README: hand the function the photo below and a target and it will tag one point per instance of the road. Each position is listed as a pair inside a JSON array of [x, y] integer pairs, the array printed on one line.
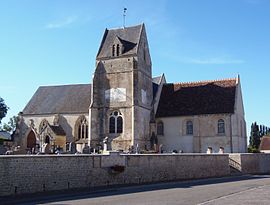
[[232, 190]]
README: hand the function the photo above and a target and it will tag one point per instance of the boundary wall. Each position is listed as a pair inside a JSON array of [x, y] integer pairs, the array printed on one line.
[[21, 174], [250, 163]]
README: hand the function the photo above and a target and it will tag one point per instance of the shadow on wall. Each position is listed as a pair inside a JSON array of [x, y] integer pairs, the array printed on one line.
[[68, 129]]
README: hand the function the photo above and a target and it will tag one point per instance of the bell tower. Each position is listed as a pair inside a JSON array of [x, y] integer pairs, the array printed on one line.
[[122, 90]]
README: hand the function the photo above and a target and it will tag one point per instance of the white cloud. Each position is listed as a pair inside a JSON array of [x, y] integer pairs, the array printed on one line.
[[218, 60], [60, 24]]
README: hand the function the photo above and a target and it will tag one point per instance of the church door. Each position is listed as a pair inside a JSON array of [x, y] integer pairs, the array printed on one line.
[[31, 140]]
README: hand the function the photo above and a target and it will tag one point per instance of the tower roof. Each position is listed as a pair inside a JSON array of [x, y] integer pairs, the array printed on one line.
[[127, 36]]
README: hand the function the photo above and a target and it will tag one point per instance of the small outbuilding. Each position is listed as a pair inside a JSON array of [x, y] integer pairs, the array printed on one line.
[[265, 144]]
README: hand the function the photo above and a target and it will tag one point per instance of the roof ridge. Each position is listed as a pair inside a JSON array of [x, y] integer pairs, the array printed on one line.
[[205, 81], [65, 85], [118, 28]]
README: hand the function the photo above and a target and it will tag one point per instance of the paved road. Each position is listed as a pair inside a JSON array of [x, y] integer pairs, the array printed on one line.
[[233, 190]]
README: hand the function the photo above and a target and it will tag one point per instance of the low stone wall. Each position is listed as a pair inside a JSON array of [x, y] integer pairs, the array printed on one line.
[[41, 173], [251, 163]]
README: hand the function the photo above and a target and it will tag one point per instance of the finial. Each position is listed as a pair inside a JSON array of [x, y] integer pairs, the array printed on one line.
[[238, 79], [124, 17]]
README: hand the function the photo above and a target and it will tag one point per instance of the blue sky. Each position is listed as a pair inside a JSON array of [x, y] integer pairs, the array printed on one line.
[[55, 42]]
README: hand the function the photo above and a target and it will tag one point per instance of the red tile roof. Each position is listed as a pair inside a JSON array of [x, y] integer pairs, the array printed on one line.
[[196, 98]]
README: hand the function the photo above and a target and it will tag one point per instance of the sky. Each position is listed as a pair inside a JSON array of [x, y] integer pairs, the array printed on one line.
[[55, 42]]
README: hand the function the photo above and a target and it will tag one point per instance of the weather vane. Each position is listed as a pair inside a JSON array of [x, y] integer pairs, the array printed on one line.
[[124, 17]]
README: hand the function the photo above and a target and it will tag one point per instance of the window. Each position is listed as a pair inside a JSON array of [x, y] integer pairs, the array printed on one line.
[[82, 128], [113, 50], [189, 128], [221, 126], [160, 128], [115, 122], [117, 50], [47, 139], [43, 125]]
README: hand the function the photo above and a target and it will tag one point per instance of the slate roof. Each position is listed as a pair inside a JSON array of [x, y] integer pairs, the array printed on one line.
[[265, 143], [128, 36], [157, 79], [155, 85], [59, 99], [186, 99], [58, 130], [63, 99]]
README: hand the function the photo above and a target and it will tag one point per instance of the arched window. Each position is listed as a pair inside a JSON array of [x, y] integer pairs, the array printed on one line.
[[113, 50], [189, 128], [221, 126], [82, 128], [43, 125], [47, 139], [116, 122], [117, 50], [160, 128]]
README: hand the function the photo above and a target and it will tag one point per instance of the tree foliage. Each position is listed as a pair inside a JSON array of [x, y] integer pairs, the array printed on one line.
[[11, 125], [3, 109], [257, 132]]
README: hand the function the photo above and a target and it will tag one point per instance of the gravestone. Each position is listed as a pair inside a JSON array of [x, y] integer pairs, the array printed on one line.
[[72, 148]]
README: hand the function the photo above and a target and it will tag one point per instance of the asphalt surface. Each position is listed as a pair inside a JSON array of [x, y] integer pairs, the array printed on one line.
[[232, 190]]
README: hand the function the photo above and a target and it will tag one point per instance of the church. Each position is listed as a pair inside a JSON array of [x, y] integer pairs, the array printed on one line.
[[125, 107]]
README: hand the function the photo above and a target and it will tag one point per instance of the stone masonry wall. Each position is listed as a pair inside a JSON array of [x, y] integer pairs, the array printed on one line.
[[41, 173], [251, 163]]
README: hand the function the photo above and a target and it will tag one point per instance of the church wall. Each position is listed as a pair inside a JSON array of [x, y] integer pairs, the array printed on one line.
[[239, 134], [121, 141], [111, 75], [174, 137], [205, 134], [141, 127], [208, 132], [67, 121], [143, 90]]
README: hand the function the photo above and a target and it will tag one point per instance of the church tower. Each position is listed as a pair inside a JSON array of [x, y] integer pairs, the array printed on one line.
[[122, 90]]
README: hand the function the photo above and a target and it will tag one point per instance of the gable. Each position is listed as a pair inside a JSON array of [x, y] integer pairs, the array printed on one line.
[[129, 37], [185, 99]]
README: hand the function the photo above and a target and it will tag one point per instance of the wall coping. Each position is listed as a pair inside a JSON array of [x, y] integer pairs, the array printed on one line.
[[107, 155], [249, 154]]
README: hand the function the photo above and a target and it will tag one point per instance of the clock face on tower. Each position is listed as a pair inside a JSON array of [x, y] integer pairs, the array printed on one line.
[[115, 95]]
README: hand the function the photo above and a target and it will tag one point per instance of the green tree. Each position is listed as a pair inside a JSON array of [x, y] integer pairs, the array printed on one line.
[[3, 109], [255, 138], [257, 132], [11, 125]]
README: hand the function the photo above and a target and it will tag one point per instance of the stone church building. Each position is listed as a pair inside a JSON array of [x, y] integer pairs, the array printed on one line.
[[126, 108]]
